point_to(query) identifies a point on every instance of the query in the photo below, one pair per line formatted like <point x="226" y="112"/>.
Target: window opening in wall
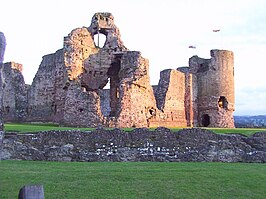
<point x="107" y="86"/>
<point x="112" y="73"/>
<point x="152" y="112"/>
<point x="205" y="120"/>
<point x="66" y="86"/>
<point x="172" y="116"/>
<point x="222" y="102"/>
<point x="99" y="40"/>
<point x="7" y="109"/>
<point x="84" y="89"/>
<point x="115" y="67"/>
<point x="203" y="67"/>
<point x="53" y="107"/>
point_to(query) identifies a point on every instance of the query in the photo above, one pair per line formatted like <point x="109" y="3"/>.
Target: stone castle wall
<point x="47" y="93"/>
<point x="170" y="95"/>
<point x="136" y="101"/>
<point x="68" y="87"/>
<point x="41" y="93"/>
<point x="15" y="99"/>
<point x="81" y="108"/>
<point x="60" y="86"/>
<point x="105" y="102"/>
<point x="142" y="144"/>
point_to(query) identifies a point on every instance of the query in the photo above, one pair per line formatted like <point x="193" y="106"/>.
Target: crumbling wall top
<point x="198" y="65"/>
<point x="16" y="66"/>
<point x="102" y="20"/>
<point x="2" y="46"/>
<point x="103" y="23"/>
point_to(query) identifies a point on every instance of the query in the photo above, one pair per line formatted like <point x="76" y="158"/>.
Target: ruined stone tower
<point x="213" y="86"/>
<point x="90" y="67"/>
<point x="68" y="87"/>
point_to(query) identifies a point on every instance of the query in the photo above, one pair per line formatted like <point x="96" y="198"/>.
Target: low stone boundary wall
<point x="140" y="144"/>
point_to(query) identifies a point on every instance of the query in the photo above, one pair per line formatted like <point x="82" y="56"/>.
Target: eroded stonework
<point x="141" y="144"/>
<point x="46" y="96"/>
<point x="15" y="99"/>
<point x="69" y="85"/>
<point x="214" y="87"/>
<point x="2" y="52"/>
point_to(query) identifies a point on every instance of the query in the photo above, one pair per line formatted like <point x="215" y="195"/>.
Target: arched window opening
<point x="99" y="40"/>
<point x="205" y="120"/>
<point x="115" y="66"/>
<point x="222" y="102"/>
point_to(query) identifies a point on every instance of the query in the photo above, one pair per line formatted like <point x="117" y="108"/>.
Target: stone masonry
<point x="47" y="92"/>
<point x="142" y="144"/>
<point x="68" y="87"/>
<point x="15" y="99"/>
<point x="2" y="52"/>
<point x="214" y="87"/>
<point x="170" y="101"/>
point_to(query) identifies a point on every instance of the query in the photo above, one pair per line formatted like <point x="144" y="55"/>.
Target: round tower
<point x="215" y="89"/>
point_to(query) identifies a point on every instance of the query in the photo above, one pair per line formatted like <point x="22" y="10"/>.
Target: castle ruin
<point x="68" y="87"/>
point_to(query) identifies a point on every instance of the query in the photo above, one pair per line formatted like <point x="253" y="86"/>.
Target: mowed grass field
<point x="134" y="179"/>
<point x="37" y="127"/>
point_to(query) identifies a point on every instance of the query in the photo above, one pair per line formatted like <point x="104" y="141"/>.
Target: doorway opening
<point x="113" y="74"/>
<point x="205" y="120"/>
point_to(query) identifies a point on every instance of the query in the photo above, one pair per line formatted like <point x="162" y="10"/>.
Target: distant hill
<point x="257" y="121"/>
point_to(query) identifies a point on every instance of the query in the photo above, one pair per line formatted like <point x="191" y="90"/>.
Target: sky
<point x="161" y="30"/>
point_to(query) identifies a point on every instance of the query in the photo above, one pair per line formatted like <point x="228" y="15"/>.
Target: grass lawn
<point x="134" y="179"/>
<point x="243" y="131"/>
<point x="36" y="127"/>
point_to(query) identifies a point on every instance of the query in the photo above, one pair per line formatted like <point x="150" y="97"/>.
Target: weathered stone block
<point x="31" y="192"/>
